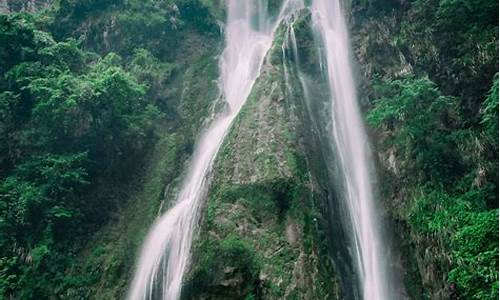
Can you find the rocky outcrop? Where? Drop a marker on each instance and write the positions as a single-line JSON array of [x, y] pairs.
[[262, 233], [7, 6], [381, 54]]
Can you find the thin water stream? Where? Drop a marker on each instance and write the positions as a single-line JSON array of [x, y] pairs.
[[335, 118], [351, 147]]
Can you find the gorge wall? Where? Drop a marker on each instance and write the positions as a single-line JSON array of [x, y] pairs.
[[270, 227]]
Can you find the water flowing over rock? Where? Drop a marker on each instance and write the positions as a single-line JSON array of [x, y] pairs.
[[352, 150], [166, 251]]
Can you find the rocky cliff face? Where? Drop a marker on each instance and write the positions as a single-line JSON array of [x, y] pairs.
[[270, 227], [271, 199], [262, 232], [378, 54], [393, 40], [7, 6]]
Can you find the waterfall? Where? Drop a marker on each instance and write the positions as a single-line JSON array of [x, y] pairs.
[[166, 251], [351, 148]]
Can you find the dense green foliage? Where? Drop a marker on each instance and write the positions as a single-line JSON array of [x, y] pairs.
[[440, 119], [70, 118], [223, 261], [87, 88], [453, 177], [442, 124], [83, 93], [417, 115], [455, 183]]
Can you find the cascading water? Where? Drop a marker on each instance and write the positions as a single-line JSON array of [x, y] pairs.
[[166, 250], [351, 149]]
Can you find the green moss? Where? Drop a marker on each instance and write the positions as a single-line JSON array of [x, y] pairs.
[[230, 259]]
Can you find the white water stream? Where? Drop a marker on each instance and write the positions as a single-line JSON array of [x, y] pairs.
[[352, 150], [165, 253]]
